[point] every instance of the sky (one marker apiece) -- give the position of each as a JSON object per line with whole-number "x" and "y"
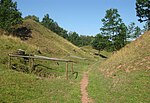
{"x": 81, "y": 16}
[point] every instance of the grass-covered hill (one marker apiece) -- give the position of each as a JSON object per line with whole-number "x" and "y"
{"x": 46, "y": 41}
{"x": 122, "y": 78}
{"x": 46, "y": 83}
{"x": 134, "y": 56}
{"x": 42, "y": 42}
{"x": 49, "y": 42}
{"x": 125, "y": 76}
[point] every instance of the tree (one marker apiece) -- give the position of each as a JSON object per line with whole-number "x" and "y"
{"x": 121, "y": 39}
{"x": 131, "y": 28}
{"x": 145, "y": 27}
{"x": 33, "y": 17}
{"x": 74, "y": 38}
{"x": 100, "y": 42}
{"x": 47, "y": 21}
{"x": 138, "y": 32}
{"x": 113, "y": 27}
{"x": 110, "y": 23}
{"x": 133, "y": 31}
{"x": 143, "y": 11}
{"x": 9, "y": 14}
{"x": 85, "y": 40}
{"x": 53, "y": 26}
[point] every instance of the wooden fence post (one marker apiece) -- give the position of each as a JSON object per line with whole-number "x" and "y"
{"x": 67, "y": 70}
{"x": 29, "y": 65}
{"x": 32, "y": 64}
{"x": 9, "y": 62}
{"x": 72, "y": 68}
{"x": 31, "y": 61}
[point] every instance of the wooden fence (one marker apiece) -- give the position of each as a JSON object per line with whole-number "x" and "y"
{"x": 31, "y": 61}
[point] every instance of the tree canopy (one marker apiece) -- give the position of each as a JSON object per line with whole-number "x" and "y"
{"x": 9, "y": 14}
{"x": 100, "y": 42}
{"x": 53, "y": 26}
{"x": 114, "y": 28}
{"x": 110, "y": 23}
{"x": 33, "y": 17}
{"x": 143, "y": 11}
{"x": 133, "y": 31}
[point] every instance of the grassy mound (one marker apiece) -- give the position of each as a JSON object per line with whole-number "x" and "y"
{"x": 134, "y": 56}
{"x": 49, "y": 83}
{"x": 125, "y": 76}
{"x": 43, "y": 42}
{"x": 48, "y": 42}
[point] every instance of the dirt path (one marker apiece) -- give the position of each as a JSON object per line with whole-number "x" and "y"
{"x": 83, "y": 86}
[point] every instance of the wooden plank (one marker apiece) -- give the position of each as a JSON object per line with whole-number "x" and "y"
{"x": 40, "y": 57}
{"x": 31, "y": 61}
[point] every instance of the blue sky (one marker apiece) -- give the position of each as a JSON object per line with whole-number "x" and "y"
{"x": 81, "y": 16}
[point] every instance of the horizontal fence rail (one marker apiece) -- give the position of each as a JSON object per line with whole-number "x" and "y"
{"x": 42, "y": 58}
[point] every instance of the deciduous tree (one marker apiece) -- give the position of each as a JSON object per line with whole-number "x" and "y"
{"x": 100, "y": 42}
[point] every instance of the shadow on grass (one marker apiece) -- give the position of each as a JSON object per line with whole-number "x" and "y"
{"x": 37, "y": 65}
{"x": 103, "y": 56}
{"x": 76, "y": 74}
{"x": 73, "y": 75}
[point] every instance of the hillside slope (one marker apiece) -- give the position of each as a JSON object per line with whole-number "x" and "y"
{"x": 51, "y": 43}
{"x": 125, "y": 76}
{"x": 45, "y": 43}
{"x": 47, "y": 80}
{"x": 134, "y": 56}
{"x": 43, "y": 40}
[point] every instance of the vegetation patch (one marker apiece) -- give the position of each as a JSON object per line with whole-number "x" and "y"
{"x": 124, "y": 77}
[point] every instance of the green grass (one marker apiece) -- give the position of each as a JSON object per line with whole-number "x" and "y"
{"x": 125, "y": 76}
{"x": 22, "y": 86}
{"x": 18, "y": 87}
{"x": 25, "y": 87}
{"x": 122, "y": 78}
{"x": 124, "y": 88}
{"x": 32, "y": 87}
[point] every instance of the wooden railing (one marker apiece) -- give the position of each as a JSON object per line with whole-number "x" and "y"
{"x": 31, "y": 61}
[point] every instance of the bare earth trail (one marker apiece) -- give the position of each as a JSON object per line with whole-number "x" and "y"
{"x": 83, "y": 86}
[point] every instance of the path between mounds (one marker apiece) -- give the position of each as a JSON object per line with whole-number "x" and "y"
{"x": 83, "y": 86}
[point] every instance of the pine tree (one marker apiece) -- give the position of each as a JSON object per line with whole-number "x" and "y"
{"x": 110, "y": 23}
{"x": 143, "y": 11}
{"x": 114, "y": 27}
{"x": 9, "y": 14}
{"x": 133, "y": 31}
